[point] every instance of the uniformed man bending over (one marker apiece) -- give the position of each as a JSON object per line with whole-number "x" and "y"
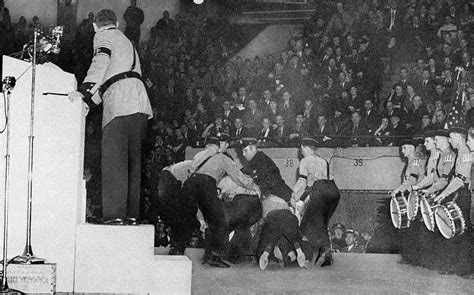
{"x": 415, "y": 167}
{"x": 264, "y": 171}
{"x": 200, "y": 191}
{"x": 114, "y": 79}
{"x": 313, "y": 182}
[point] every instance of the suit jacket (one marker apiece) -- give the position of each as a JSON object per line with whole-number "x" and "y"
{"x": 400, "y": 130}
{"x": 303, "y": 130}
{"x": 252, "y": 120}
{"x": 288, "y": 113}
{"x": 354, "y": 249}
{"x": 372, "y": 120}
{"x": 267, "y": 138}
{"x": 283, "y": 136}
{"x": 231, "y": 116}
{"x": 361, "y": 129}
{"x": 266, "y": 175}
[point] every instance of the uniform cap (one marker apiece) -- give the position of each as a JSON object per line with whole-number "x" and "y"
{"x": 213, "y": 140}
{"x": 338, "y": 226}
{"x": 222, "y": 136}
{"x": 429, "y": 133}
{"x": 248, "y": 141}
{"x": 308, "y": 141}
{"x": 442, "y": 132}
{"x": 350, "y": 231}
{"x": 458, "y": 129}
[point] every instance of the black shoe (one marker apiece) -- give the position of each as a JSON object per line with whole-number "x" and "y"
{"x": 322, "y": 259}
{"x": 131, "y": 221}
{"x": 215, "y": 261}
{"x": 114, "y": 221}
{"x": 328, "y": 260}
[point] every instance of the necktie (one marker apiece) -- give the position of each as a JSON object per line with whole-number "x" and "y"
{"x": 281, "y": 131}
{"x": 298, "y": 126}
{"x": 355, "y": 129}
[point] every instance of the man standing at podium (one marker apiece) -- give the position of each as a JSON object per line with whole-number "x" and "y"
{"x": 114, "y": 78}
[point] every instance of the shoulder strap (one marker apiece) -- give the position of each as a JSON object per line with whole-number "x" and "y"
{"x": 453, "y": 169}
{"x": 327, "y": 168}
{"x": 202, "y": 164}
{"x": 134, "y": 57}
{"x": 436, "y": 168}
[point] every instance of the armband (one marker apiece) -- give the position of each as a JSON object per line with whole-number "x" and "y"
{"x": 462, "y": 177}
{"x": 445, "y": 176}
{"x": 104, "y": 50}
{"x": 303, "y": 177}
{"x": 414, "y": 175}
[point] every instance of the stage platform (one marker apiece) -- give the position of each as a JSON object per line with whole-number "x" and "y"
{"x": 350, "y": 274}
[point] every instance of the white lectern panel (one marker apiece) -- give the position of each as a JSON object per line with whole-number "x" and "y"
{"x": 58, "y": 187}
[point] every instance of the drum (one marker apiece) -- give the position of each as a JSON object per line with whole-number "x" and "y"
{"x": 449, "y": 220}
{"x": 413, "y": 204}
{"x": 399, "y": 211}
{"x": 428, "y": 207}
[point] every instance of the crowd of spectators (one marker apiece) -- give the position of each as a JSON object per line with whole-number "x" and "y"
{"x": 349, "y": 240}
{"x": 329, "y": 83}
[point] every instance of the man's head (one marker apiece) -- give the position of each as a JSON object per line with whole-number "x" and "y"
{"x": 322, "y": 120}
{"x": 442, "y": 139}
{"x": 339, "y": 231}
{"x": 238, "y": 123}
{"x": 279, "y": 120}
{"x": 252, "y": 104}
{"x": 166, "y": 14}
{"x": 408, "y": 149}
{"x": 267, "y": 94}
{"x": 403, "y": 73}
{"x": 266, "y": 123}
{"x": 368, "y": 104}
{"x": 440, "y": 116}
{"x": 242, "y": 92}
{"x": 350, "y": 237}
{"x": 299, "y": 118}
{"x": 286, "y": 96}
{"x": 395, "y": 119}
{"x": 355, "y": 118}
{"x": 105, "y": 18}
{"x": 249, "y": 148}
{"x": 457, "y": 136}
{"x": 226, "y": 105}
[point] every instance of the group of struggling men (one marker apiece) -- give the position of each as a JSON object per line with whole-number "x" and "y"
{"x": 445, "y": 177}
{"x": 288, "y": 233}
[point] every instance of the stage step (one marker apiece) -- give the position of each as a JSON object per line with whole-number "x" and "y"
{"x": 120, "y": 259}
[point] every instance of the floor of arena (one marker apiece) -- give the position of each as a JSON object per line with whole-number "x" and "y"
{"x": 350, "y": 274}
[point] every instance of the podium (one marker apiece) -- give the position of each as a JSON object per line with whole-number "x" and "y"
{"x": 59, "y": 194}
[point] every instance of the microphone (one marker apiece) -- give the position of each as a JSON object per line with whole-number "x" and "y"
{"x": 8, "y": 83}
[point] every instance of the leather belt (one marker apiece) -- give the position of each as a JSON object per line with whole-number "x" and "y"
{"x": 116, "y": 78}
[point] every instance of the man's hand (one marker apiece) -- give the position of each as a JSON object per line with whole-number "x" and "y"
{"x": 440, "y": 198}
{"x": 75, "y": 95}
{"x": 203, "y": 226}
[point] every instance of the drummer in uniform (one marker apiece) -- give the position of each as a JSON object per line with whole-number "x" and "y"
{"x": 200, "y": 191}
{"x": 444, "y": 165}
{"x": 415, "y": 167}
{"x": 430, "y": 170}
{"x": 455, "y": 254}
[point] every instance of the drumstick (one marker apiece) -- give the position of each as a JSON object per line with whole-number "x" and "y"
{"x": 55, "y": 93}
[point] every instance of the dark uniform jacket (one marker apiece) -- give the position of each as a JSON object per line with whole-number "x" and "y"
{"x": 266, "y": 175}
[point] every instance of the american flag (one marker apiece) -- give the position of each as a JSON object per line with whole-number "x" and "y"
{"x": 456, "y": 116}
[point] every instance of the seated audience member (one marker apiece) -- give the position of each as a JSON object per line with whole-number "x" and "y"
{"x": 439, "y": 119}
{"x": 287, "y": 107}
{"x": 214, "y": 128}
{"x": 323, "y": 131}
{"x": 383, "y": 130}
{"x": 351, "y": 242}
{"x": 366, "y": 241}
{"x": 267, "y": 134}
{"x": 339, "y": 241}
{"x": 282, "y": 131}
{"x": 239, "y": 131}
{"x": 369, "y": 115}
{"x": 357, "y": 131}
{"x": 397, "y": 130}
{"x": 425, "y": 125}
{"x": 252, "y": 116}
{"x": 300, "y": 127}
{"x": 272, "y": 111}
{"x": 227, "y": 113}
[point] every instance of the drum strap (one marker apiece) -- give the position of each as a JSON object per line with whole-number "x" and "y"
{"x": 453, "y": 170}
{"x": 437, "y": 163}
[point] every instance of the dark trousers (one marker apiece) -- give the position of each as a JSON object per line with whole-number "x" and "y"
{"x": 278, "y": 224}
{"x": 321, "y": 206}
{"x": 121, "y": 166}
{"x": 200, "y": 191}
